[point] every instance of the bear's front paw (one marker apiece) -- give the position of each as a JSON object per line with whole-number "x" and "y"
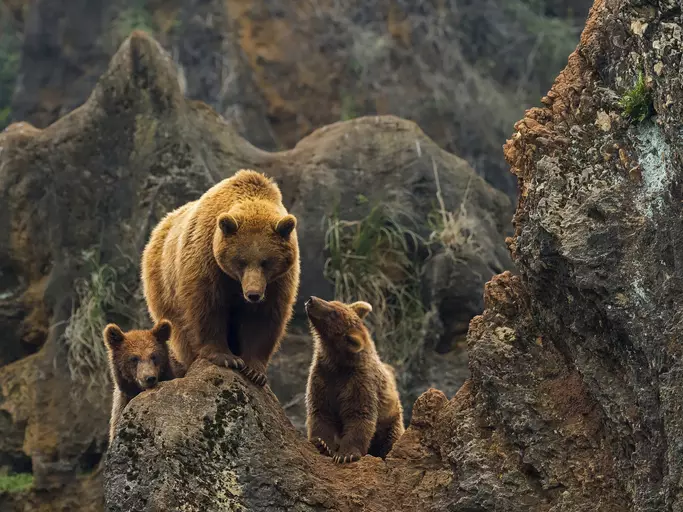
{"x": 227, "y": 360}
{"x": 321, "y": 446}
{"x": 341, "y": 458}
{"x": 255, "y": 376}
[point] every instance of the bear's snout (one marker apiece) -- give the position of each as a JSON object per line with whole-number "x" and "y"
{"x": 150, "y": 380}
{"x": 253, "y": 296}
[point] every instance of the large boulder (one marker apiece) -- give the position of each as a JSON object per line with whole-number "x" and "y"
{"x": 81, "y": 196}
{"x": 575, "y": 397}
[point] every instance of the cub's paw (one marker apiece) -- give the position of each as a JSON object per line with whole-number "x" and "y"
{"x": 227, "y": 360}
{"x": 341, "y": 458}
{"x": 321, "y": 446}
{"x": 255, "y": 376}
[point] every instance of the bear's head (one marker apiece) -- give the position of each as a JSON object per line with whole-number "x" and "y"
{"x": 138, "y": 357}
{"x": 339, "y": 326}
{"x": 255, "y": 244}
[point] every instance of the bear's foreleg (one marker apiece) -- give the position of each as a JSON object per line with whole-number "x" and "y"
{"x": 119, "y": 402}
{"x": 209, "y": 338}
{"x": 359, "y": 425}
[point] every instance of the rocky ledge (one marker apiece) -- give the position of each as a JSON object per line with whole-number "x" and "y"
{"x": 575, "y": 397}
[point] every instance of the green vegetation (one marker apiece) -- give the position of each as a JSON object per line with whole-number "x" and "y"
{"x": 454, "y": 231}
{"x": 349, "y": 109}
{"x": 10, "y": 53}
{"x": 15, "y": 483}
{"x": 135, "y": 17}
{"x": 637, "y": 101}
{"x": 375, "y": 259}
{"x": 99, "y": 293}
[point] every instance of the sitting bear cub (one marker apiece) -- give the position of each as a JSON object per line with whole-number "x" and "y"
{"x": 352, "y": 403}
{"x": 137, "y": 361}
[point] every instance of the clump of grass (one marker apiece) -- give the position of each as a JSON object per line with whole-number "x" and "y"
{"x": 637, "y": 101}
{"x": 10, "y": 54}
{"x": 348, "y": 107}
{"x": 134, "y": 17}
{"x": 16, "y": 482}
{"x": 454, "y": 231}
{"x": 97, "y": 294}
{"x": 375, "y": 259}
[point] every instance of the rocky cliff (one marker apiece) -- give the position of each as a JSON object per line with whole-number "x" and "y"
{"x": 463, "y": 70}
{"x": 81, "y": 196}
{"x": 574, "y": 401}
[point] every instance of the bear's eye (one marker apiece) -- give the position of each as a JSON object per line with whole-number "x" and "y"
{"x": 154, "y": 358}
{"x": 241, "y": 263}
{"x": 134, "y": 359}
{"x": 265, "y": 263}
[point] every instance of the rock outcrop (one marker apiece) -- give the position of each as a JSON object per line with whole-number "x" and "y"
{"x": 574, "y": 401}
{"x": 81, "y": 196}
{"x": 277, "y": 71}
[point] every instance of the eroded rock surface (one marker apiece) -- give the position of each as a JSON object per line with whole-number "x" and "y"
{"x": 575, "y": 396}
{"x": 81, "y": 196}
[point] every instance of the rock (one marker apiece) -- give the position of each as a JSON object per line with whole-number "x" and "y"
{"x": 218, "y": 443}
{"x": 68, "y": 46}
{"x": 574, "y": 401}
{"x": 82, "y": 195}
{"x": 277, "y": 71}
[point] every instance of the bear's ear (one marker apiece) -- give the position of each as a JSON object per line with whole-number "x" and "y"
{"x": 361, "y": 308}
{"x": 162, "y": 331}
{"x": 228, "y": 224}
{"x": 285, "y": 225}
{"x": 113, "y": 335}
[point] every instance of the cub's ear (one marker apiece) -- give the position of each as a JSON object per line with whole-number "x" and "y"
{"x": 113, "y": 335}
{"x": 355, "y": 342}
{"x": 162, "y": 331}
{"x": 285, "y": 226}
{"x": 228, "y": 224}
{"x": 361, "y": 308}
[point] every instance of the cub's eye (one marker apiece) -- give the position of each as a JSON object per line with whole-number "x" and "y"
{"x": 134, "y": 359}
{"x": 354, "y": 342}
{"x": 265, "y": 263}
{"x": 154, "y": 358}
{"x": 241, "y": 263}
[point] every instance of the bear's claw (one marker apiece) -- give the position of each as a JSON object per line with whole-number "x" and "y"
{"x": 227, "y": 360}
{"x": 321, "y": 446}
{"x": 255, "y": 376}
{"x": 343, "y": 459}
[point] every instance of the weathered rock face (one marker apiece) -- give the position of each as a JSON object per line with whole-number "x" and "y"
{"x": 81, "y": 196}
{"x": 574, "y": 401}
{"x": 463, "y": 70}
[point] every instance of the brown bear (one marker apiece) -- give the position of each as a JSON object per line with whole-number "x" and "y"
{"x": 225, "y": 270}
{"x": 352, "y": 404}
{"x": 137, "y": 361}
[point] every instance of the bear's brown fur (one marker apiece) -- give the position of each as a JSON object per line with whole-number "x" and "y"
{"x": 137, "y": 361}
{"x": 353, "y": 406}
{"x": 225, "y": 270}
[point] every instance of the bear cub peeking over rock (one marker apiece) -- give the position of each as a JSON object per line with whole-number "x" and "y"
{"x": 137, "y": 361}
{"x": 225, "y": 270}
{"x": 352, "y": 403}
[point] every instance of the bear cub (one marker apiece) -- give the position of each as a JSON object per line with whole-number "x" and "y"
{"x": 352, "y": 403}
{"x": 138, "y": 360}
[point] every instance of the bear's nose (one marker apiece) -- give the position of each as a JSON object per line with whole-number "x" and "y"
{"x": 254, "y": 296}
{"x": 151, "y": 380}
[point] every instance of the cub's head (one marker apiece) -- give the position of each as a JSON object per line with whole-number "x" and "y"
{"x": 340, "y": 326}
{"x": 137, "y": 358}
{"x": 255, "y": 244}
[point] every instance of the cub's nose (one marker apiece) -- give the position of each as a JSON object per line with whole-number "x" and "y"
{"x": 151, "y": 380}
{"x": 253, "y": 297}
